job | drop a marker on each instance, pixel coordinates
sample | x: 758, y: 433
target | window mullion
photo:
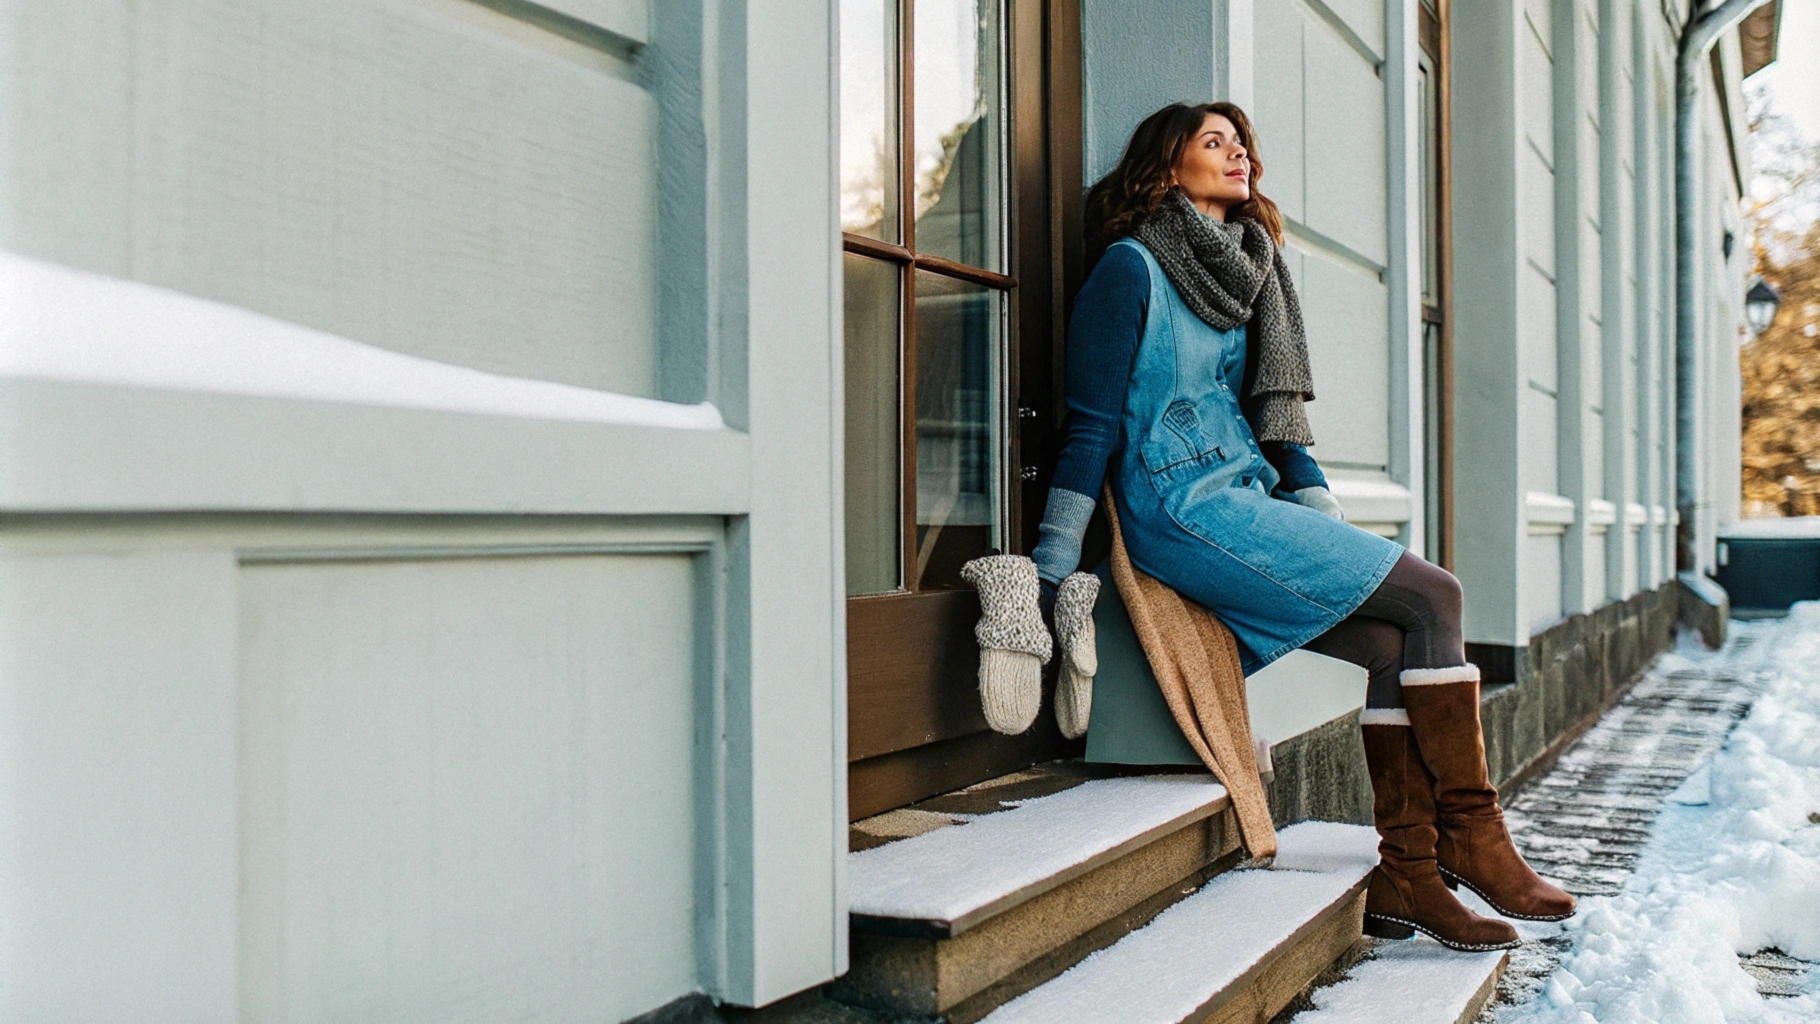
x: 906, y: 212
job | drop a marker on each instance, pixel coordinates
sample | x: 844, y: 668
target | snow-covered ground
x: 1731, y: 868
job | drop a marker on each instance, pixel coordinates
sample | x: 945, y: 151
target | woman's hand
x: 1321, y: 500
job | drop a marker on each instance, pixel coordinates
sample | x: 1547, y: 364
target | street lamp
x: 1760, y: 306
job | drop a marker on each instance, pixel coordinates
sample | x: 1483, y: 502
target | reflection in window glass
x: 868, y: 118
x: 874, y: 512
x: 957, y: 435
x: 959, y: 124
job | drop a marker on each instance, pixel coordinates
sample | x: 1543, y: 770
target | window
x: 924, y: 203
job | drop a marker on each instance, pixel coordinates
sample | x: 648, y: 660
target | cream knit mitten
x: 1014, y: 645
x: 1080, y: 658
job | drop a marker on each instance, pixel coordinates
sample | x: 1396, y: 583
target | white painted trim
x: 1635, y: 516
x: 1658, y: 515
x: 1437, y: 676
x: 628, y: 19
x: 1403, y: 276
x: 1369, y: 501
x: 1548, y: 515
x: 63, y: 324
x: 1600, y: 515
x: 82, y: 447
x: 785, y: 803
x: 1384, y: 716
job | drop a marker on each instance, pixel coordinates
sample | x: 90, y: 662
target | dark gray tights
x: 1411, y: 621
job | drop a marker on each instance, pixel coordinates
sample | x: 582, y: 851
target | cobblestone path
x: 1584, y: 823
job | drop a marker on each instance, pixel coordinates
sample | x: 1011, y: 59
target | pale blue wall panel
x: 1349, y: 349
x: 1345, y: 123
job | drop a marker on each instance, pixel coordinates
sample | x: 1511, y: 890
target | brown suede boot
x: 1406, y: 892
x: 1473, y: 847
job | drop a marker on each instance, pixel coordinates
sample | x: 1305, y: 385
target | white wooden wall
x: 419, y: 537
x: 429, y: 176
x: 1323, y: 108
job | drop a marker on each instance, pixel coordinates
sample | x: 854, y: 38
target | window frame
x: 907, y: 261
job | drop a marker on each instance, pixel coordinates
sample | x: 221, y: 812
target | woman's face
x: 1215, y: 171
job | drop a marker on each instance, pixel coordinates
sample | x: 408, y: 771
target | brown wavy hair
x: 1121, y: 200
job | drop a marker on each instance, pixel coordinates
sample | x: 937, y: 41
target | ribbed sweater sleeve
x: 1294, y: 465
x: 1103, y: 335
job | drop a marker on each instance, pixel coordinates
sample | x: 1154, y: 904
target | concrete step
x: 968, y: 900
x: 1240, y: 948
x: 1416, y: 981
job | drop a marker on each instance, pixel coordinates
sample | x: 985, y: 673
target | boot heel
x: 1384, y: 928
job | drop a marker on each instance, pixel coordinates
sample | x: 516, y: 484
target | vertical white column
x: 1618, y: 336
x: 1403, y: 276
x: 1490, y: 520
x: 1647, y: 325
x: 1665, y: 240
x: 1577, y: 349
x: 785, y: 817
x: 1233, y: 76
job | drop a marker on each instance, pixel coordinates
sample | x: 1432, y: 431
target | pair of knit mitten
x: 1015, y: 644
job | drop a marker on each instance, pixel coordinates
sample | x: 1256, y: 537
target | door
x: 950, y: 253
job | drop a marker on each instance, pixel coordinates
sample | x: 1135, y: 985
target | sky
x: 1794, y: 79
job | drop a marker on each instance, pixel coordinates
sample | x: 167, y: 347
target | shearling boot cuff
x: 1436, y: 676
x: 1384, y: 716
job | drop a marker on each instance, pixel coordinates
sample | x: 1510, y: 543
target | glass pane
x: 874, y: 445
x: 959, y: 129
x: 868, y: 118
x: 957, y: 427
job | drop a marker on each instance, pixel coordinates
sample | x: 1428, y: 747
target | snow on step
x: 1418, y: 981
x: 953, y: 872
x: 1189, y: 953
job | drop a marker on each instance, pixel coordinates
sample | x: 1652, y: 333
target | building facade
x: 483, y: 480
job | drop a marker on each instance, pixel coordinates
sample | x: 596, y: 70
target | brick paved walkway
x: 1584, y: 823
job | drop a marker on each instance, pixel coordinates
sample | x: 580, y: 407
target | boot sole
x: 1454, y: 882
x: 1380, y: 926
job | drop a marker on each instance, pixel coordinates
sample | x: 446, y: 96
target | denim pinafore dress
x: 1193, y: 494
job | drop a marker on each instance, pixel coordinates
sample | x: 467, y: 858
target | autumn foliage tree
x: 1781, y: 366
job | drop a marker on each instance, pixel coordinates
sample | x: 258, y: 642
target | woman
x: 1187, y: 371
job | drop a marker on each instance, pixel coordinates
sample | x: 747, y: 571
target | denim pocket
x: 1179, y: 439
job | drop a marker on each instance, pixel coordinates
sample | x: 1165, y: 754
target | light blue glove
x: 1321, y: 500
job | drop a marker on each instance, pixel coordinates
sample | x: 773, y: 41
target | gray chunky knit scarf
x: 1231, y: 274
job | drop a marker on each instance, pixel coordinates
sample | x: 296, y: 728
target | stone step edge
x: 944, y: 928
x: 1065, y: 955
x: 1340, y: 911
x: 1378, y: 988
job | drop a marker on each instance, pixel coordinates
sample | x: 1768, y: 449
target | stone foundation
x: 1538, y: 698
